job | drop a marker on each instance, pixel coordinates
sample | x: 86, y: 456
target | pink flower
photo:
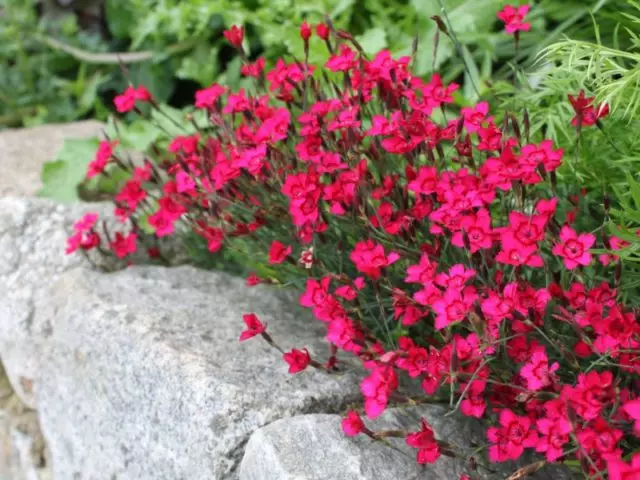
x: 453, y: 306
x: 513, y: 17
x: 352, y: 424
x: 234, y: 35
x: 456, y: 277
x: 426, y: 181
x: 279, y: 252
x: 343, y: 61
x: 207, y: 97
x: 102, y: 157
x: 298, y: 360
x: 426, y: 443
x: 554, y: 433
x: 511, y: 438
x: 162, y: 223
x: 131, y: 193
x: 537, y: 372
x: 254, y: 326
x: 514, y: 254
x: 377, y: 389
x: 478, y: 232
x: 543, y: 154
x: 343, y: 333
x: 86, y: 223
x: 592, y: 393
x: 127, y: 100
x: 423, y: 272
x: 632, y: 409
x: 184, y: 182
x: 474, y: 404
x: 574, y: 248
x: 473, y: 117
x: 370, y: 258
x: 615, y: 243
x: 316, y: 293
x: 619, y: 470
x: 253, y: 69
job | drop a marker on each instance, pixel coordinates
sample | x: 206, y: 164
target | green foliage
x: 56, y: 67
x: 62, y: 176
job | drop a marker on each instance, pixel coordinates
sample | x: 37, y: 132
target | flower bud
x: 323, y: 31
x: 305, y: 31
x: 234, y: 36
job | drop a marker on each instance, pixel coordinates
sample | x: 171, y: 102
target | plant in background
x: 429, y: 241
x: 61, y: 60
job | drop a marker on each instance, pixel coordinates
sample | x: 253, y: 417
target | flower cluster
x: 426, y: 239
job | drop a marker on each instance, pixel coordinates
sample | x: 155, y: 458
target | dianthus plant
x: 427, y: 240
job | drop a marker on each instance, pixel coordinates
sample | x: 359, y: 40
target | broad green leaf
x: 61, y: 177
x: 157, y: 77
x: 373, y: 40
x: 120, y: 17
x: 201, y: 66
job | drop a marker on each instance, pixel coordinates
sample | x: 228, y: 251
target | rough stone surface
x: 24, y: 151
x: 33, y: 234
x: 313, y: 447
x: 143, y: 377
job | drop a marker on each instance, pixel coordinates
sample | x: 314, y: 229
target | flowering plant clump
x: 428, y: 241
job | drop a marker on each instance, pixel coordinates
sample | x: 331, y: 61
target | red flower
x: 279, y: 252
x: 254, y: 326
x: 586, y: 113
x: 123, y: 246
x: 514, y: 435
x: 298, y: 360
x: 352, y: 424
x: 253, y: 69
x: 425, y: 442
x: 253, y: 280
x: 234, y: 35
x: 574, y: 248
x: 513, y: 17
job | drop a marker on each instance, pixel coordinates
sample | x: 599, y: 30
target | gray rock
x: 313, y: 447
x: 143, y: 377
x: 33, y: 235
x: 25, y: 150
